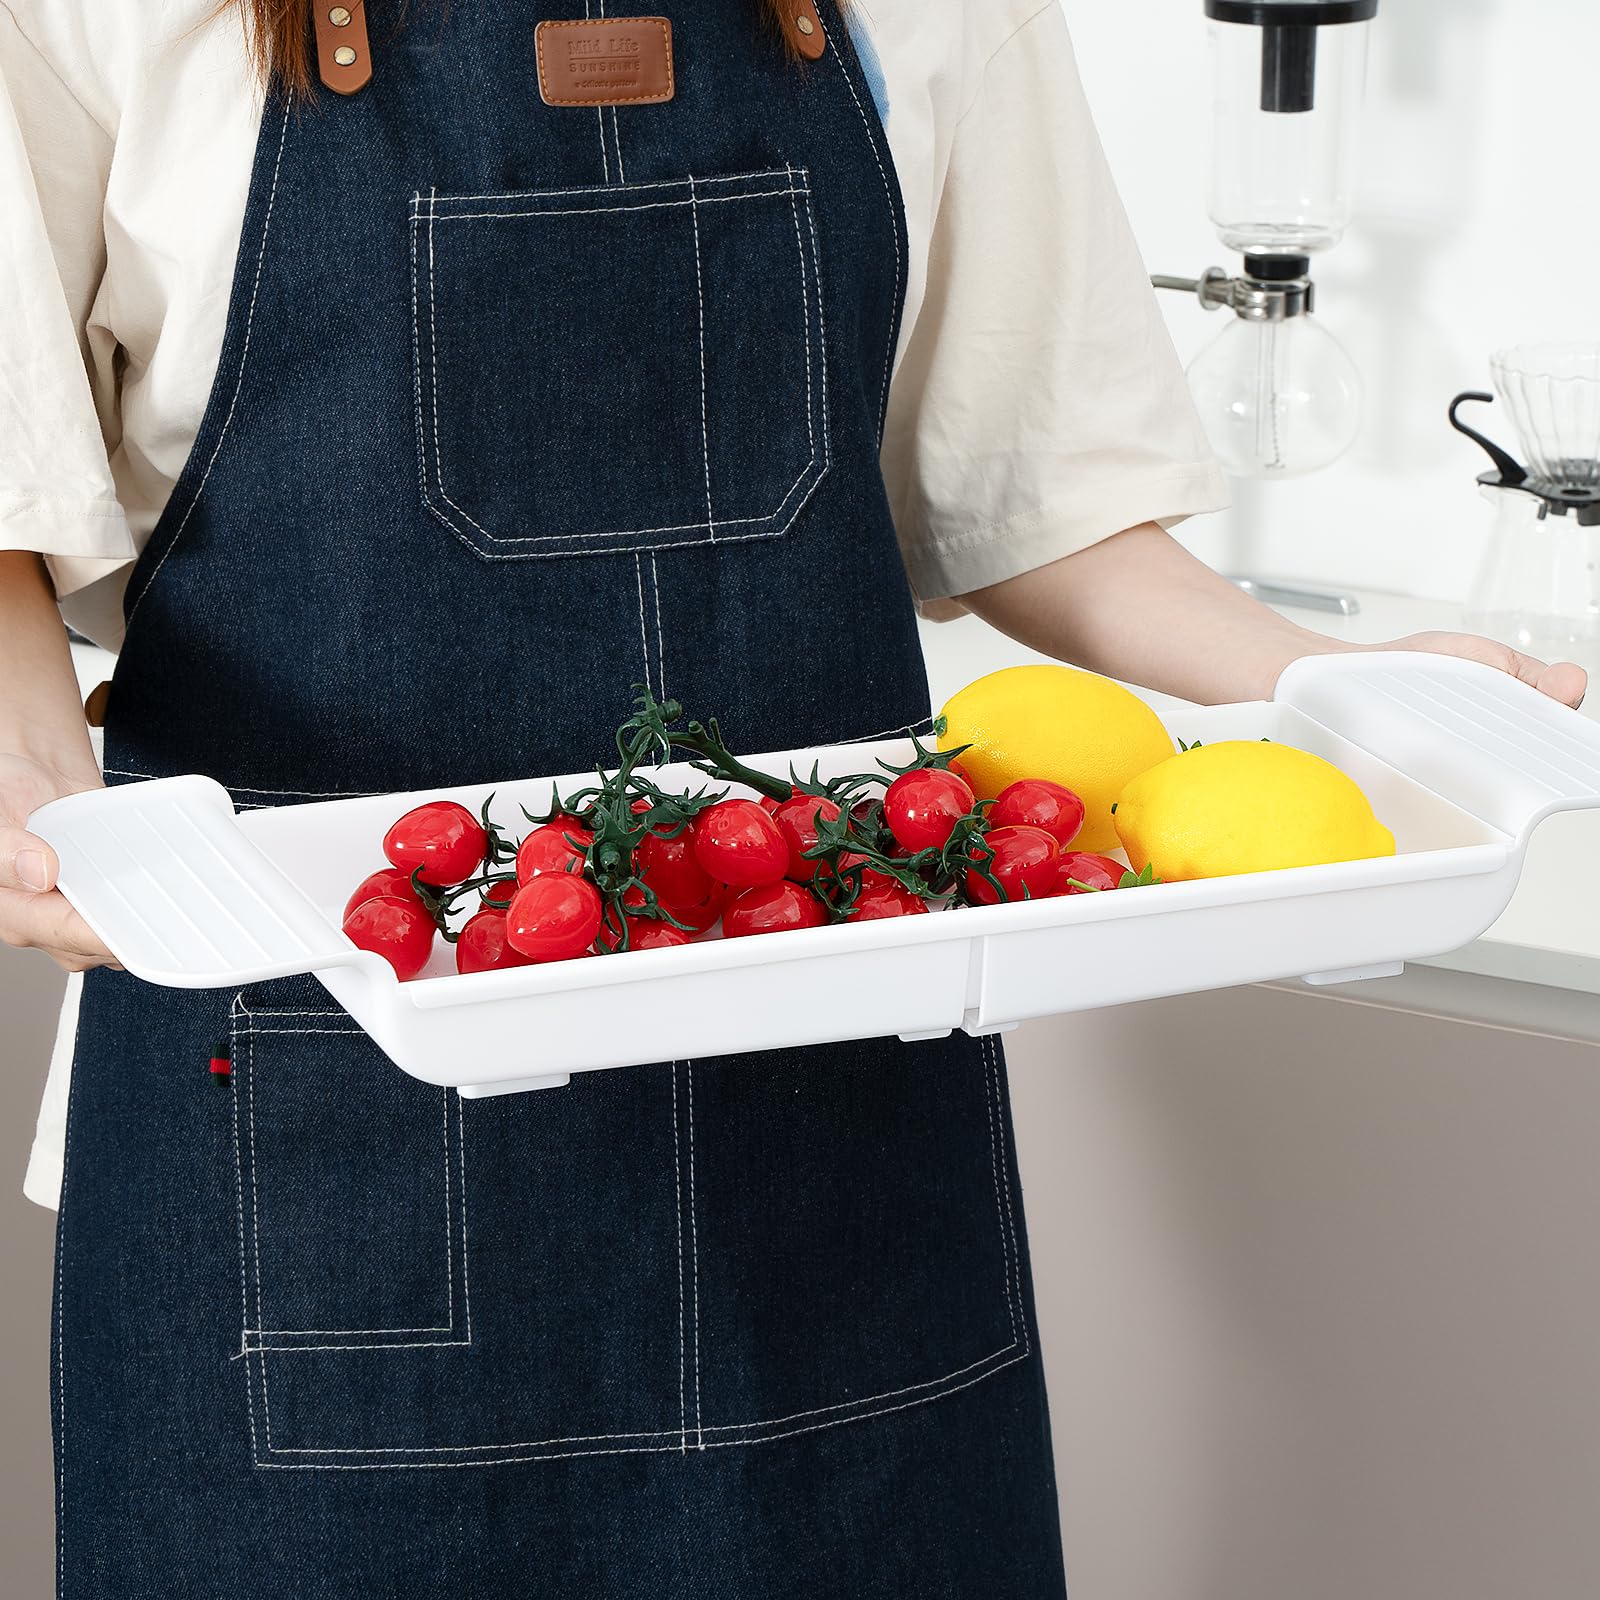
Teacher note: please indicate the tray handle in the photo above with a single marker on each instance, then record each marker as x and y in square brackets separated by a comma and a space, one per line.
[1482, 739]
[162, 873]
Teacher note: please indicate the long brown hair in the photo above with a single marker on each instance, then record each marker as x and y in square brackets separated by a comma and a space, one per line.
[279, 32]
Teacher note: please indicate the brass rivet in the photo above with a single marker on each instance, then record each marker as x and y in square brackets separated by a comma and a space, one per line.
[345, 56]
[805, 25]
[339, 17]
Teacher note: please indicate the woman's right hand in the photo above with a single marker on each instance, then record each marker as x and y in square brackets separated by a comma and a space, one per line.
[33, 912]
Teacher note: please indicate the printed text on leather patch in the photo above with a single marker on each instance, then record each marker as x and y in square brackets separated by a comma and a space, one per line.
[610, 61]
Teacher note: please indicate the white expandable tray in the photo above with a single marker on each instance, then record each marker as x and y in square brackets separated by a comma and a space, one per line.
[1460, 761]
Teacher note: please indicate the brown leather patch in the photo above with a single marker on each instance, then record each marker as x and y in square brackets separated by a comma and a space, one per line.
[802, 28]
[344, 59]
[610, 61]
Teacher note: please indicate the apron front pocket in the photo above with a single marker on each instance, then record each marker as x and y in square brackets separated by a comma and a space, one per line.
[636, 367]
[352, 1203]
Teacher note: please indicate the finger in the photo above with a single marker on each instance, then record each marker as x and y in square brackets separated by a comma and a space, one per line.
[1565, 681]
[27, 863]
[48, 922]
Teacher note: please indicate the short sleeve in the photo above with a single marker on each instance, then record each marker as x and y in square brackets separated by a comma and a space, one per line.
[57, 495]
[1039, 406]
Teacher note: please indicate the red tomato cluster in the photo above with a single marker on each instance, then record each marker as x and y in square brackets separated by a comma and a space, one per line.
[754, 867]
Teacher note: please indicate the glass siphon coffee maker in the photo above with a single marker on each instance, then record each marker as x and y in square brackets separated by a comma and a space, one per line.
[1538, 587]
[1277, 392]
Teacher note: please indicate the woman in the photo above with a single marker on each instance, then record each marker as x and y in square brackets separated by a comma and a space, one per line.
[553, 362]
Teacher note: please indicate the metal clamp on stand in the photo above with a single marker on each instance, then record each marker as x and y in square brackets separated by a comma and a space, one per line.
[1271, 288]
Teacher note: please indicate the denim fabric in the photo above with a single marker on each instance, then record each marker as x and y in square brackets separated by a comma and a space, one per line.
[519, 406]
[871, 64]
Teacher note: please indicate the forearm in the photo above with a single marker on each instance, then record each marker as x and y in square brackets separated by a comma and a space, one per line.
[1139, 607]
[41, 716]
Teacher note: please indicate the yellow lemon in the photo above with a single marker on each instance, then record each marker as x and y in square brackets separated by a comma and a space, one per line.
[1073, 727]
[1221, 809]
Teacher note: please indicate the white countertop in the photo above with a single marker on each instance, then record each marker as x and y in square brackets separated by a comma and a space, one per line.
[1549, 936]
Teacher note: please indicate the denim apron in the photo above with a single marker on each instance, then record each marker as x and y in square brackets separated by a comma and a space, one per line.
[519, 406]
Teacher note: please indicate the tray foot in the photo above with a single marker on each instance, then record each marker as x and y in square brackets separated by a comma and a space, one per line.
[983, 1030]
[1383, 969]
[485, 1091]
[927, 1033]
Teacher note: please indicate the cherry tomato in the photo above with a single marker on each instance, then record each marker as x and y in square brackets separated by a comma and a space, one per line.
[1094, 872]
[547, 849]
[739, 844]
[496, 896]
[396, 928]
[772, 908]
[483, 946]
[554, 917]
[886, 898]
[1039, 803]
[644, 933]
[923, 807]
[670, 868]
[445, 840]
[797, 821]
[1024, 865]
[389, 880]
[702, 915]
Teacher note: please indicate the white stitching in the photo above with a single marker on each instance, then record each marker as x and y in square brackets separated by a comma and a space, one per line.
[345, 1032]
[565, 541]
[634, 1450]
[61, 1347]
[466, 1255]
[245, 788]
[599, 111]
[805, 310]
[822, 323]
[923, 724]
[255, 1210]
[433, 361]
[659, 1433]
[416, 356]
[694, 1262]
[273, 1332]
[1011, 1226]
[994, 1169]
[449, 1223]
[700, 296]
[644, 637]
[677, 1185]
[606, 211]
[244, 357]
[612, 188]
[616, 136]
[894, 229]
[670, 527]
[661, 653]
[270, 1011]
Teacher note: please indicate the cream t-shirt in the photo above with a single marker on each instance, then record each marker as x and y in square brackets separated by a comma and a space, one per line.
[1037, 404]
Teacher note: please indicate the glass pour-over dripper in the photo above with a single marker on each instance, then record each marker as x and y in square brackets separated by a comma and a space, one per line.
[1538, 587]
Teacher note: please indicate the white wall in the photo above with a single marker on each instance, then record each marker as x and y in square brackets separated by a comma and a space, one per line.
[1476, 228]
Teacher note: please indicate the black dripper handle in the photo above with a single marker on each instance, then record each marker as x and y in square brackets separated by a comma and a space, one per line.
[1512, 472]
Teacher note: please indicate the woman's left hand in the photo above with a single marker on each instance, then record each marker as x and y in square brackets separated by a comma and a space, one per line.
[1562, 680]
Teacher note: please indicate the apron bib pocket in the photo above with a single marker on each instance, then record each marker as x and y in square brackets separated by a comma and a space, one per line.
[631, 368]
